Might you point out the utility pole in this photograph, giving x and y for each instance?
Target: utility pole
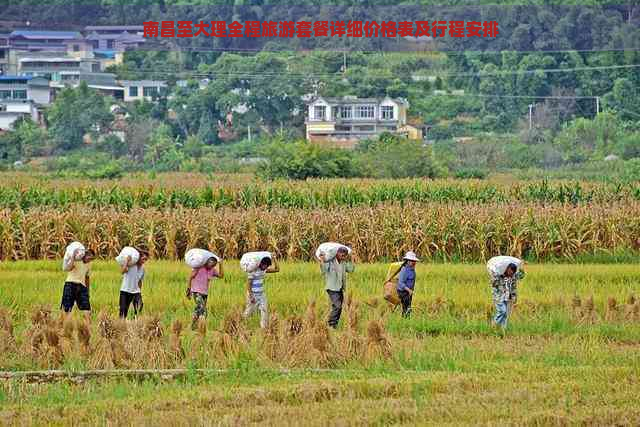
(249, 132)
(597, 105)
(344, 62)
(530, 116)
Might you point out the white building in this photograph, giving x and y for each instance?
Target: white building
(10, 111)
(348, 120)
(137, 90)
(22, 88)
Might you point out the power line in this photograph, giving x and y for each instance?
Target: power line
(333, 75)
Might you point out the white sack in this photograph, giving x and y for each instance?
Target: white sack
(196, 258)
(496, 266)
(251, 260)
(128, 251)
(329, 250)
(68, 260)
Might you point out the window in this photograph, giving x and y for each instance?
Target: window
(20, 94)
(149, 91)
(133, 91)
(95, 44)
(365, 112)
(110, 44)
(95, 68)
(346, 112)
(5, 94)
(386, 112)
(2, 53)
(320, 112)
(365, 128)
(76, 48)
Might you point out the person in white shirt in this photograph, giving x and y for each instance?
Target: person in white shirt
(131, 289)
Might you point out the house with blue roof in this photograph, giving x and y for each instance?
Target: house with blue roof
(49, 41)
(22, 88)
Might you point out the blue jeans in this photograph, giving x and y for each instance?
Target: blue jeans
(502, 313)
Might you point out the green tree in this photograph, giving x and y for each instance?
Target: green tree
(77, 112)
(31, 139)
(623, 100)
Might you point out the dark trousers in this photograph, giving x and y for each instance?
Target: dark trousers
(75, 293)
(405, 299)
(336, 298)
(126, 299)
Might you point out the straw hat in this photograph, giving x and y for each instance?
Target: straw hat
(411, 256)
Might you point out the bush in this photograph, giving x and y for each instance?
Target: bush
(471, 173)
(113, 145)
(85, 164)
(631, 170)
(395, 157)
(302, 160)
(629, 146)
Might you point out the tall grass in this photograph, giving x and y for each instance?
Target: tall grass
(312, 194)
(437, 231)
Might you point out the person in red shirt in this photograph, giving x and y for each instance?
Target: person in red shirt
(198, 287)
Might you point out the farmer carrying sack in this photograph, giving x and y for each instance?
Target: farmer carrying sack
(390, 288)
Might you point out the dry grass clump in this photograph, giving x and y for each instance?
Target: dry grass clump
(273, 336)
(232, 334)
(35, 342)
(632, 309)
(156, 354)
(588, 312)
(7, 339)
(103, 355)
(351, 343)
(67, 340)
(613, 311)
(176, 349)
(378, 345)
(83, 334)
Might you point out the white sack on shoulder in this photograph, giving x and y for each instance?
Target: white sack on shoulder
(330, 249)
(68, 259)
(496, 266)
(251, 260)
(128, 251)
(196, 258)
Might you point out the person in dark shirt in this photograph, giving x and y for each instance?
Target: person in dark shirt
(407, 282)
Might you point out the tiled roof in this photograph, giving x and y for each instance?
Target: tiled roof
(353, 100)
(114, 28)
(5, 77)
(36, 34)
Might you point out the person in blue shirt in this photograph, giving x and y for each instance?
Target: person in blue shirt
(407, 282)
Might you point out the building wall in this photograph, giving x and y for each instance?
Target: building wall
(140, 95)
(14, 111)
(312, 106)
(7, 120)
(39, 94)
